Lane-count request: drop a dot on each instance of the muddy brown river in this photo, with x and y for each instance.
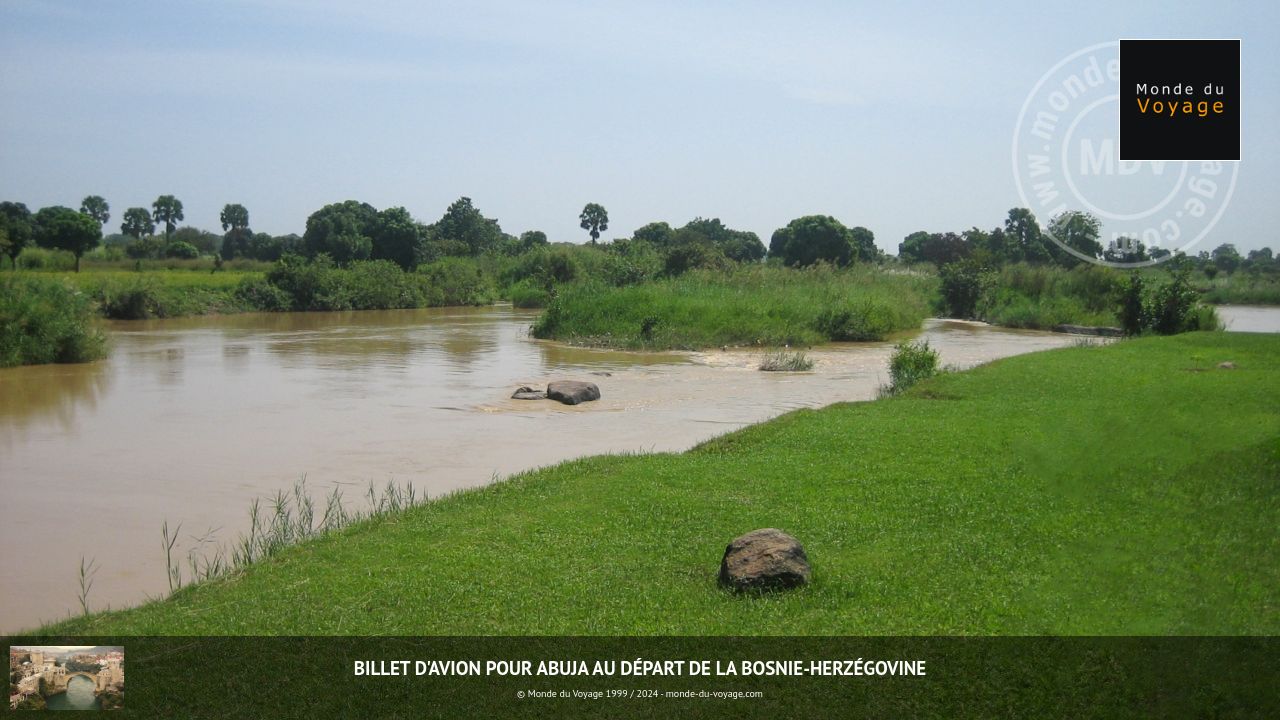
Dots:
(190, 419)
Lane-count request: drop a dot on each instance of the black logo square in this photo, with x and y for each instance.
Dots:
(1179, 100)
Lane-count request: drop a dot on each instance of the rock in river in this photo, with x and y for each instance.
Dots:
(572, 392)
(766, 559)
(528, 393)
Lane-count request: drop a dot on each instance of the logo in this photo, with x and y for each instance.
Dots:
(1066, 158)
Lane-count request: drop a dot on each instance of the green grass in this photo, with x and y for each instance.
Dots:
(162, 293)
(1041, 297)
(786, 361)
(1242, 289)
(750, 305)
(1124, 489)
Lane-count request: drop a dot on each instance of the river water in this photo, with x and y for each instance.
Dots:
(79, 696)
(190, 419)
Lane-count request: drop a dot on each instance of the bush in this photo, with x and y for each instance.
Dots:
(456, 281)
(381, 284)
(963, 284)
(911, 363)
(1174, 306)
(46, 321)
(784, 361)
(179, 249)
(310, 284)
(1133, 316)
(867, 320)
(257, 293)
(529, 294)
(135, 298)
(38, 258)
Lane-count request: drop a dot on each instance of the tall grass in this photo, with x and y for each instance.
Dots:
(44, 320)
(1043, 296)
(281, 521)
(1243, 289)
(749, 305)
(786, 361)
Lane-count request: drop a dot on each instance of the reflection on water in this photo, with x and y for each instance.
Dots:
(47, 395)
(191, 418)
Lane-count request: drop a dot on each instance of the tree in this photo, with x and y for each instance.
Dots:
(657, 234)
(594, 219)
(1078, 231)
(1261, 255)
(16, 231)
(65, 229)
(1125, 249)
(167, 209)
(530, 239)
(1227, 258)
(396, 237)
(864, 244)
(809, 239)
(235, 223)
(137, 223)
(738, 245)
(97, 208)
(1023, 239)
(464, 223)
(341, 231)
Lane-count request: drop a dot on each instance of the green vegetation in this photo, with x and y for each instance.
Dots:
(750, 305)
(1138, 497)
(46, 321)
(786, 361)
(911, 362)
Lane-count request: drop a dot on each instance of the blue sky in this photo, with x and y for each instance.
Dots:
(898, 117)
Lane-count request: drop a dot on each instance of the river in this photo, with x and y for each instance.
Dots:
(79, 696)
(190, 419)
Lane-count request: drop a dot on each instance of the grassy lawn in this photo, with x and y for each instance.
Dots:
(1129, 489)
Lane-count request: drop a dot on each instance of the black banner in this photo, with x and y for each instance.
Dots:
(695, 677)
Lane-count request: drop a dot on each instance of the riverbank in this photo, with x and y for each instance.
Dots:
(1134, 498)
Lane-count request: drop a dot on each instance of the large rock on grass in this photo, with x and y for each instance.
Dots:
(766, 559)
(572, 392)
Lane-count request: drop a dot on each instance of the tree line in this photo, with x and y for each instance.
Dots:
(352, 230)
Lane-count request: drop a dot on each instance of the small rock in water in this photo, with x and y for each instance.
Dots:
(572, 392)
(602, 373)
(528, 393)
(766, 559)
(1228, 365)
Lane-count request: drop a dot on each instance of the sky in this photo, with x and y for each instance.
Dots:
(895, 116)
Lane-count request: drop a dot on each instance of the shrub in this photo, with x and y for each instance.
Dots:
(381, 284)
(911, 363)
(255, 293)
(1133, 316)
(784, 361)
(1173, 305)
(135, 298)
(963, 284)
(38, 258)
(867, 320)
(456, 281)
(46, 321)
(529, 294)
(179, 249)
